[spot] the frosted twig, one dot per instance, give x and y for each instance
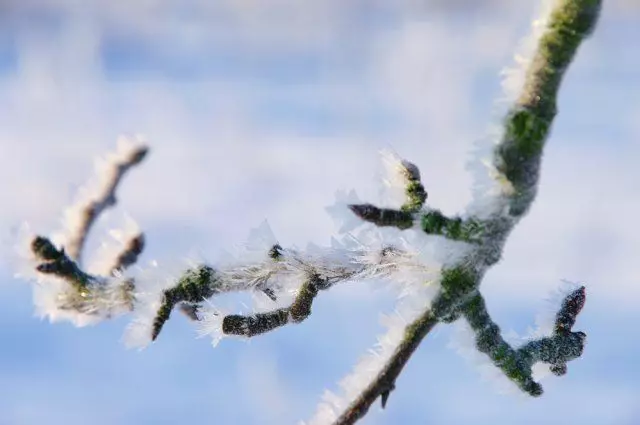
(320, 271)
(92, 294)
(104, 198)
(299, 310)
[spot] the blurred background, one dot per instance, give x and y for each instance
(263, 110)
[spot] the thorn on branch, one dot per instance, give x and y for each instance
(384, 396)
(556, 350)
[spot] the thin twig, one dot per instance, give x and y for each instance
(384, 382)
(101, 201)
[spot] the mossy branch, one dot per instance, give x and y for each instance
(383, 217)
(260, 323)
(517, 157)
(529, 122)
(558, 349)
(193, 287)
(56, 262)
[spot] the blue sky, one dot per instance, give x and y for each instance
(262, 110)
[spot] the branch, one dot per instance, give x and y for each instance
(435, 223)
(528, 123)
(517, 157)
(193, 287)
(298, 311)
(103, 199)
(556, 350)
(383, 217)
(90, 294)
(198, 284)
(385, 380)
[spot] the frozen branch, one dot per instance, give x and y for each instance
(319, 271)
(298, 311)
(383, 217)
(384, 382)
(517, 157)
(193, 287)
(558, 349)
(435, 223)
(104, 198)
(88, 293)
(56, 262)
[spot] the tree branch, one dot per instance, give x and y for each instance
(90, 294)
(517, 157)
(384, 381)
(435, 223)
(298, 311)
(528, 123)
(558, 349)
(383, 217)
(265, 277)
(103, 199)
